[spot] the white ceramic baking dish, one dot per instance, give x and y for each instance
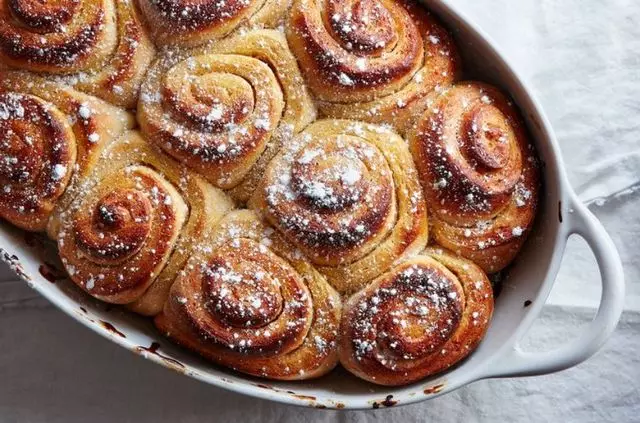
(525, 290)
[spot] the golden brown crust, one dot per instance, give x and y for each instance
(223, 110)
(100, 46)
(370, 60)
(49, 135)
(248, 302)
(189, 23)
(347, 195)
(136, 220)
(418, 319)
(121, 234)
(479, 173)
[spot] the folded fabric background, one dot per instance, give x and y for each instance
(582, 60)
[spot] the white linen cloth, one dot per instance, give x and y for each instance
(582, 58)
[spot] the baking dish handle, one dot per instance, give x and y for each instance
(516, 362)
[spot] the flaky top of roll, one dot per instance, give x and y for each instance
(194, 22)
(479, 172)
(98, 46)
(417, 319)
(49, 134)
(247, 300)
(370, 60)
(222, 110)
(347, 195)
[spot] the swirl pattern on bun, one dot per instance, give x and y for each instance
(223, 110)
(135, 222)
(371, 60)
(348, 196)
(49, 135)
(479, 173)
(247, 301)
(100, 46)
(417, 319)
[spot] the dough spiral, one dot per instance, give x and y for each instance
(189, 23)
(347, 195)
(417, 319)
(371, 60)
(479, 173)
(224, 110)
(100, 46)
(134, 223)
(50, 135)
(248, 302)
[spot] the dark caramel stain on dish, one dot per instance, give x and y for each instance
(47, 273)
(310, 398)
(51, 272)
(153, 349)
(339, 405)
(560, 211)
(108, 326)
(320, 406)
(434, 389)
(389, 402)
(527, 303)
(84, 310)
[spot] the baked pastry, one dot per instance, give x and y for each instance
(137, 219)
(417, 319)
(100, 46)
(189, 23)
(371, 60)
(224, 110)
(246, 300)
(479, 173)
(335, 209)
(347, 195)
(49, 135)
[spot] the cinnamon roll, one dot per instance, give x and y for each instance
(99, 45)
(479, 173)
(348, 196)
(49, 135)
(224, 110)
(191, 23)
(417, 319)
(370, 60)
(134, 223)
(247, 301)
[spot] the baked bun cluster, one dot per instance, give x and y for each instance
(282, 186)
